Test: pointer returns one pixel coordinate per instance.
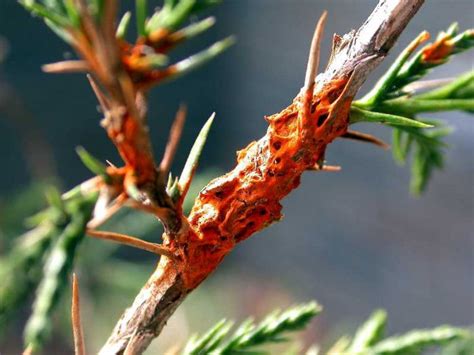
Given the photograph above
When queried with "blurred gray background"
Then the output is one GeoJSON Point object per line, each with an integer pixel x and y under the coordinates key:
{"type": "Point", "coordinates": [354, 240]}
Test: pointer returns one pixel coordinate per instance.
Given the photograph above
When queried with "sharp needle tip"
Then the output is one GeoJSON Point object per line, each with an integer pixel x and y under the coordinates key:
{"type": "Point", "coordinates": [313, 60]}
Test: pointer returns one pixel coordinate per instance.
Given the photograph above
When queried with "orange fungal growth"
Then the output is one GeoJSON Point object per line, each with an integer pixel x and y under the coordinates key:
{"type": "Point", "coordinates": [127, 138]}
{"type": "Point", "coordinates": [438, 50]}
{"type": "Point", "coordinates": [234, 206]}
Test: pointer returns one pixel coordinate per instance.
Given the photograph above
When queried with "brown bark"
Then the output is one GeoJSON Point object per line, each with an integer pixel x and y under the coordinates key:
{"type": "Point", "coordinates": [247, 199]}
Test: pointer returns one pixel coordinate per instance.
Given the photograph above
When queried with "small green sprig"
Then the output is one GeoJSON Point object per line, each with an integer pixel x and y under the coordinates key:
{"type": "Point", "coordinates": [93, 164]}
{"type": "Point", "coordinates": [369, 339]}
{"type": "Point", "coordinates": [22, 269]}
{"type": "Point", "coordinates": [249, 335]}
{"type": "Point", "coordinates": [158, 31]}
{"type": "Point", "coordinates": [428, 152]}
{"type": "Point", "coordinates": [61, 16]}
{"type": "Point", "coordinates": [416, 341]}
{"type": "Point", "coordinates": [189, 169]}
{"type": "Point", "coordinates": [58, 266]}
{"type": "Point", "coordinates": [173, 14]}
{"type": "Point", "coordinates": [369, 333]}
{"type": "Point", "coordinates": [394, 102]}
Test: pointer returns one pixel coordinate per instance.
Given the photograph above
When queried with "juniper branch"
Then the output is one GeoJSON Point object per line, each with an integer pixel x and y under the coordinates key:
{"type": "Point", "coordinates": [235, 206]}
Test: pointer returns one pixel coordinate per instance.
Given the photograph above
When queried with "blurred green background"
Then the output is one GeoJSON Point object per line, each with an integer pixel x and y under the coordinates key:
{"type": "Point", "coordinates": [354, 240]}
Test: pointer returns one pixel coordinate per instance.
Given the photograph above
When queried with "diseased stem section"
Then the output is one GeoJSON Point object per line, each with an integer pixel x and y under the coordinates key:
{"type": "Point", "coordinates": [247, 199]}
{"type": "Point", "coordinates": [123, 104]}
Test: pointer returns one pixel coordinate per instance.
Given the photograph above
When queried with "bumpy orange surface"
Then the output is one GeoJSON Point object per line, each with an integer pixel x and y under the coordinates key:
{"type": "Point", "coordinates": [438, 50]}
{"type": "Point", "coordinates": [247, 199]}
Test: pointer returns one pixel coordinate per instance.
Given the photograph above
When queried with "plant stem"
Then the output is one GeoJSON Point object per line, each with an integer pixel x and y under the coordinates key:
{"type": "Point", "coordinates": [233, 207]}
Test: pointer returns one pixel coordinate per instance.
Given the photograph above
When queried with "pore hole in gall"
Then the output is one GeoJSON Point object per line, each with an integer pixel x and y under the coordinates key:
{"type": "Point", "coordinates": [277, 160]}
{"type": "Point", "coordinates": [277, 145]}
{"type": "Point", "coordinates": [333, 95]}
{"type": "Point", "coordinates": [210, 231]}
{"type": "Point", "coordinates": [322, 119]}
{"type": "Point", "coordinates": [219, 194]}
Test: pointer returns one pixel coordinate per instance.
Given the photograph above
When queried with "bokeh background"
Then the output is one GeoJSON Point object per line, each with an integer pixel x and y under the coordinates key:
{"type": "Point", "coordinates": [354, 240]}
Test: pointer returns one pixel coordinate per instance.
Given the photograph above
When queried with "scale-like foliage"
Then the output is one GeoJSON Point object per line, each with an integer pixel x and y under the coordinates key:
{"type": "Point", "coordinates": [368, 340]}
{"type": "Point", "coordinates": [370, 332]}
{"type": "Point", "coordinates": [57, 268]}
{"type": "Point", "coordinates": [249, 335]}
{"type": "Point", "coordinates": [416, 341]}
{"type": "Point", "coordinates": [22, 270]}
